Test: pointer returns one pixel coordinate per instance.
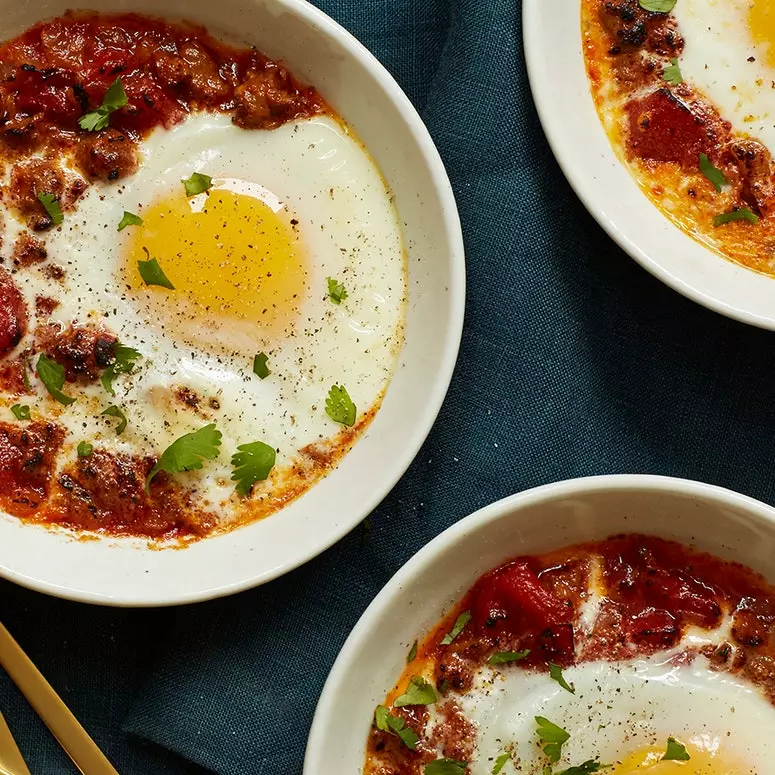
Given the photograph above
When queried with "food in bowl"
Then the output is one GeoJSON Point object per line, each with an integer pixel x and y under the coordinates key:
{"type": "Point", "coordinates": [204, 299]}
{"type": "Point", "coordinates": [683, 88]}
{"type": "Point", "coordinates": [633, 653]}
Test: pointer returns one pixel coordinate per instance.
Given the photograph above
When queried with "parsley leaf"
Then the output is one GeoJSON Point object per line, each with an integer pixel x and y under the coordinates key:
{"type": "Point", "coordinates": [419, 692]}
{"type": "Point", "coordinates": [551, 737]}
{"type": "Point", "coordinates": [252, 463]}
{"type": "Point", "coordinates": [197, 184]}
{"type": "Point", "coordinates": [129, 219]}
{"type": "Point", "coordinates": [675, 751]}
{"type": "Point", "coordinates": [339, 406]}
{"type": "Point", "coordinates": [445, 767]}
{"type": "Point", "coordinates": [21, 412]}
{"type": "Point", "coordinates": [114, 98]}
{"type": "Point", "coordinates": [460, 624]}
{"type": "Point", "coordinates": [588, 767]}
{"type": "Point", "coordinates": [52, 375]}
{"type": "Point", "coordinates": [188, 452]}
{"type": "Point", "coordinates": [124, 359]}
{"type": "Point", "coordinates": [260, 369]}
{"type": "Point", "coordinates": [713, 174]}
{"type": "Point", "coordinates": [555, 672]}
{"type": "Point", "coordinates": [500, 763]}
{"type": "Point", "coordinates": [51, 205]}
{"type": "Point", "coordinates": [115, 411]}
{"type": "Point", "coordinates": [410, 657]}
{"type": "Point", "coordinates": [153, 274]}
{"type": "Point", "coordinates": [672, 73]}
{"type": "Point", "coordinates": [658, 6]}
{"type": "Point", "coordinates": [336, 291]}
{"type": "Point", "coordinates": [743, 213]}
{"type": "Point", "coordinates": [503, 657]}
{"type": "Point", "coordinates": [396, 726]}
{"type": "Point", "coordinates": [84, 449]}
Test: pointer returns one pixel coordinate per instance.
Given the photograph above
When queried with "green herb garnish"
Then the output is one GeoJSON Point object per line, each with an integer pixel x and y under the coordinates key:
{"type": "Point", "coordinates": [713, 174]}
{"type": "Point", "coordinates": [500, 762]}
{"type": "Point", "coordinates": [339, 406]}
{"type": "Point", "coordinates": [445, 767]}
{"type": "Point", "coordinates": [124, 360]}
{"type": "Point", "coordinates": [21, 411]}
{"type": "Point", "coordinates": [460, 624]}
{"type": "Point", "coordinates": [336, 291]}
{"type": "Point", "coordinates": [419, 692]}
{"type": "Point", "coordinates": [395, 725]}
{"type": "Point", "coordinates": [658, 6]}
{"type": "Point", "coordinates": [741, 214]}
{"type": "Point", "coordinates": [152, 273]}
{"type": "Point", "coordinates": [675, 751]}
{"type": "Point", "coordinates": [188, 452]}
{"type": "Point", "coordinates": [51, 205]}
{"type": "Point", "coordinates": [197, 184]}
{"type": "Point", "coordinates": [252, 463]}
{"type": "Point", "coordinates": [84, 449]}
{"type": "Point", "coordinates": [555, 672]}
{"type": "Point", "coordinates": [129, 219]}
{"type": "Point", "coordinates": [260, 369]}
{"type": "Point", "coordinates": [115, 98]}
{"type": "Point", "coordinates": [672, 73]}
{"type": "Point", "coordinates": [503, 657]}
{"type": "Point", "coordinates": [551, 737]}
{"type": "Point", "coordinates": [52, 375]}
{"type": "Point", "coordinates": [115, 411]}
{"type": "Point", "coordinates": [586, 768]}
{"type": "Point", "coordinates": [412, 653]}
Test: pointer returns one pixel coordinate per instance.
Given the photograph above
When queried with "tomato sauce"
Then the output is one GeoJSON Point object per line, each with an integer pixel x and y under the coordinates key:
{"type": "Point", "coordinates": [649, 592]}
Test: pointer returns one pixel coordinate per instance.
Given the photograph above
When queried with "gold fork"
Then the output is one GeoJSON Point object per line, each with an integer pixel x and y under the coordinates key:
{"type": "Point", "coordinates": [11, 762]}
{"type": "Point", "coordinates": [84, 752]}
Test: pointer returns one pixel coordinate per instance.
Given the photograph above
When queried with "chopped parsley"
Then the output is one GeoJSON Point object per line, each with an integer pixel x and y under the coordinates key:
{"type": "Point", "coordinates": [658, 6]}
{"type": "Point", "coordinates": [395, 725]}
{"type": "Point", "coordinates": [115, 98]}
{"type": "Point", "coordinates": [252, 463]}
{"type": "Point", "coordinates": [555, 672]}
{"type": "Point", "coordinates": [197, 184]}
{"type": "Point", "coordinates": [713, 174]}
{"type": "Point", "coordinates": [445, 767]}
{"type": "Point", "coordinates": [410, 657]}
{"type": "Point", "coordinates": [188, 452]}
{"type": "Point", "coordinates": [51, 206]}
{"type": "Point", "coordinates": [52, 375]}
{"type": "Point", "coordinates": [115, 411]}
{"type": "Point", "coordinates": [503, 657]}
{"type": "Point", "coordinates": [129, 219]}
{"type": "Point", "coordinates": [588, 767]}
{"type": "Point", "coordinates": [152, 273]}
{"type": "Point", "coordinates": [260, 369]}
{"type": "Point", "coordinates": [21, 411]}
{"type": "Point", "coordinates": [500, 763]}
{"type": "Point", "coordinates": [124, 359]}
{"type": "Point", "coordinates": [336, 291]}
{"type": "Point", "coordinates": [419, 692]}
{"type": "Point", "coordinates": [339, 406]}
{"type": "Point", "coordinates": [84, 449]}
{"type": "Point", "coordinates": [676, 752]}
{"type": "Point", "coordinates": [459, 626]}
{"type": "Point", "coordinates": [672, 73]}
{"type": "Point", "coordinates": [551, 737]}
{"type": "Point", "coordinates": [741, 214]}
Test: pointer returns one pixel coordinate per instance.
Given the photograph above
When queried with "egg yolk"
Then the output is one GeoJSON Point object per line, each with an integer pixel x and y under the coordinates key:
{"type": "Point", "coordinates": [702, 761]}
{"type": "Point", "coordinates": [234, 259]}
{"type": "Point", "coordinates": [761, 20]}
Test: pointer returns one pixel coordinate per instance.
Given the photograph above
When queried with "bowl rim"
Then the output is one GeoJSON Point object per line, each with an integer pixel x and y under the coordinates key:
{"type": "Point", "coordinates": [435, 395]}
{"type": "Point", "coordinates": [407, 575]}
{"type": "Point", "coordinates": [586, 188]}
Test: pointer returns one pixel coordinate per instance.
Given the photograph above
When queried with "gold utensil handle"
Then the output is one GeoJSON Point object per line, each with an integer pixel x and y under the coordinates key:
{"type": "Point", "coordinates": [84, 752]}
{"type": "Point", "coordinates": [11, 761]}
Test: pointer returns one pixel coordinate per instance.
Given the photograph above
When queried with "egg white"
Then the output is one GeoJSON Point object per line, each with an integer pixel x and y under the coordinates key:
{"type": "Point", "coordinates": [349, 230]}
{"type": "Point", "coordinates": [721, 59]}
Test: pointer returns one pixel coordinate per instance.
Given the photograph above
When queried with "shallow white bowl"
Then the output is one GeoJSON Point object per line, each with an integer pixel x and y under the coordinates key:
{"type": "Point", "coordinates": [715, 520]}
{"type": "Point", "coordinates": [552, 41]}
{"type": "Point", "coordinates": [126, 572]}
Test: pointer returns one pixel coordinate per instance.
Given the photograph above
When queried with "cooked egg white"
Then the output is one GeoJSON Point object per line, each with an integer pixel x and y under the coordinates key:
{"type": "Point", "coordinates": [622, 714]}
{"type": "Point", "coordinates": [249, 261]}
{"type": "Point", "coordinates": [729, 56]}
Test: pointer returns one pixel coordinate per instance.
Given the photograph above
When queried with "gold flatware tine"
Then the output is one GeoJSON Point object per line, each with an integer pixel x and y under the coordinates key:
{"type": "Point", "coordinates": [11, 761]}
{"type": "Point", "coordinates": [84, 752]}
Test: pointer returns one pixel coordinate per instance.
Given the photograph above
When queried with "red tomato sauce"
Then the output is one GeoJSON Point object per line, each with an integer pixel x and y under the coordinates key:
{"type": "Point", "coordinates": [651, 591]}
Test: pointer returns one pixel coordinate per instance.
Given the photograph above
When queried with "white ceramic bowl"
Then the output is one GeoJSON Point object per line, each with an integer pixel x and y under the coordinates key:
{"type": "Point", "coordinates": [552, 41]}
{"type": "Point", "coordinates": [719, 521]}
{"type": "Point", "coordinates": [126, 572]}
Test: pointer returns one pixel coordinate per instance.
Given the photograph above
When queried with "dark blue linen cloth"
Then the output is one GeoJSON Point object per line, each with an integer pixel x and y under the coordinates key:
{"type": "Point", "coordinates": [574, 361]}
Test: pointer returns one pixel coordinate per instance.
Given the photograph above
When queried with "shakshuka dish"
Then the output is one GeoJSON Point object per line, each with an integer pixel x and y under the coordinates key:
{"type": "Point", "coordinates": [629, 655]}
{"type": "Point", "coordinates": [203, 280]}
{"type": "Point", "coordinates": [684, 89]}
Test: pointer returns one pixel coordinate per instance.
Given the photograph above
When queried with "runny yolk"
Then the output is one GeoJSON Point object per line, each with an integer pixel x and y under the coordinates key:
{"type": "Point", "coordinates": [761, 20]}
{"type": "Point", "coordinates": [702, 761]}
{"type": "Point", "coordinates": [234, 260]}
